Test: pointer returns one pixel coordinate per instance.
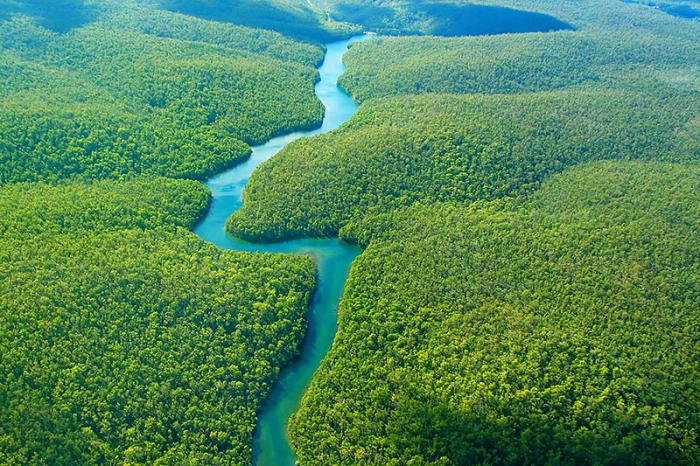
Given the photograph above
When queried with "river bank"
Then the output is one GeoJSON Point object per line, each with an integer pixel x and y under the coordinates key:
{"type": "Point", "coordinates": [333, 259]}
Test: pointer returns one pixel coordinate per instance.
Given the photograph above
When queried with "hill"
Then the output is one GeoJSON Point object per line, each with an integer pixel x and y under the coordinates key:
{"type": "Point", "coordinates": [556, 330]}
{"type": "Point", "coordinates": [423, 149]}
{"type": "Point", "coordinates": [127, 339]}
{"type": "Point", "coordinates": [121, 93]}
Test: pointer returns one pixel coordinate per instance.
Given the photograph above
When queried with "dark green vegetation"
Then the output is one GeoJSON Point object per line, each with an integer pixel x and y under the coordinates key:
{"type": "Point", "coordinates": [529, 204]}
{"type": "Point", "coordinates": [512, 64]}
{"type": "Point", "coordinates": [682, 9]}
{"type": "Point", "coordinates": [140, 90]}
{"type": "Point", "coordinates": [562, 330]}
{"type": "Point", "coordinates": [399, 151]}
{"type": "Point", "coordinates": [126, 339]}
{"type": "Point", "coordinates": [441, 18]}
{"type": "Point", "coordinates": [56, 15]}
{"type": "Point", "coordinates": [296, 18]}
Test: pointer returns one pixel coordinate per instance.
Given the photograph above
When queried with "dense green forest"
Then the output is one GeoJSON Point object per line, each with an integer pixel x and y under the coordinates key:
{"type": "Point", "coordinates": [140, 90]}
{"type": "Point", "coordinates": [126, 339]}
{"type": "Point", "coordinates": [611, 37]}
{"type": "Point", "coordinates": [523, 176]}
{"type": "Point", "coordinates": [399, 151]}
{"type": "Point", "coordinates": [528, 202]}
{"type": "Point", "coordinates": [440, 18]}
{"type": "Point", "coordinates": [560, 330]}
{"type": "Point", "coordinates": [512, 64]}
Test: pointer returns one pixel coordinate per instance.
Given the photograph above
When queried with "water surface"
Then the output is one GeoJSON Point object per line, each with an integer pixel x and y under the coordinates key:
{"type": "Point", "coordinates": [333, 259]}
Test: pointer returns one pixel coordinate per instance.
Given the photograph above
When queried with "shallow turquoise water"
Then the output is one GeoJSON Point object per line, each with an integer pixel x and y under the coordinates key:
{"type": "Point", "coordinates": [333, 259]}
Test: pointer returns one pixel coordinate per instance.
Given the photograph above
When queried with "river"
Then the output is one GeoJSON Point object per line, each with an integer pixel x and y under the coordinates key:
{"type": "Point", "coordinates": [333, 259]}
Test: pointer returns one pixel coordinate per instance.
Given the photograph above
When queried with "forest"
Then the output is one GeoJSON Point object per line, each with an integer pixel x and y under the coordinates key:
{"type": "Point", "coordinates": [514, 64]}
{"type": "Point", "coordinates": [137, 91]}
{"type": "Point", "coordinates": [528, 204]}
{"type": "Point", "coordinates": [298, 19]}
{"type": "Point", "coordinates": [441, 18]}
{"type": "Point", "coordinates": [435, 148]}
{"type": "Point", "coordinates": [127, 339]}
{"type": "Point", "coordinates": [522, 176]}
{"type": "Point", "coordinates": [560, 329]}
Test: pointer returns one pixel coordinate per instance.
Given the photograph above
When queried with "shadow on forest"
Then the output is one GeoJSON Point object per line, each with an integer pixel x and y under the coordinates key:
{"type": "Point", "coordinates": [477, 20]}
{"type": "Point", "coordinates": [422, 425]}
{"type": "Point", "coordinates": [299, 23]}
{"type": "Point", "coordinates": [681, 10]}
{"type": "Point", "coordinates": [447, 19]}
{"type": "Point", "coordinates": [57, 15]}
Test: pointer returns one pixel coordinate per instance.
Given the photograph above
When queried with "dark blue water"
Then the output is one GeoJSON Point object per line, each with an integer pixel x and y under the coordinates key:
{"type": "Point", "coordinates": [333, 259]}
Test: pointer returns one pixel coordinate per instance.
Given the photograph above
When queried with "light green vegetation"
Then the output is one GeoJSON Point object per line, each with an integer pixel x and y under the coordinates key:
{"type": "Point", "coordinates": [529, 205]}
{"type": "Point", "coordinates": [140, 90]}
{"type": "Point", "coordinates": [612, 37]}
{"type": "Point", "coordinates": [126, 339]}
{"type": "Point", "coordinates": [561, 330]}
{"type": "Point", "coordinates": [408, 149]}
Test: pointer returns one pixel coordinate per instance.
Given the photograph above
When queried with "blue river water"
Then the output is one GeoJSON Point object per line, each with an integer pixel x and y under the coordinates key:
{"type": "Point", "coordinates": [333, 259]}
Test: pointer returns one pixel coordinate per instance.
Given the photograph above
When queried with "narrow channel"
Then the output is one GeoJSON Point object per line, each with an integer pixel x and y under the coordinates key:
{"type": "Point", "coordinates": [333, 258]}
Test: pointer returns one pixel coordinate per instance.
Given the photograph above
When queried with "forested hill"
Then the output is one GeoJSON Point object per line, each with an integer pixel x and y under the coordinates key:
{"type": "Point", "coordinates": [300, 19]}
{"type": "Point", "coordinates": [124, 338]}
{"type": "Point", "coordinates": [528, 203]}
{"type": "Point", "coordinates": [635, 45]}
{"type": "Point", "coordinates": [560, 331]}
{"type": "Point", "coordinates": [402, 150]}
{"type": "Point", "coordinates": [441, 18]}
{"type": "Point", "coordinates": [140, 90]}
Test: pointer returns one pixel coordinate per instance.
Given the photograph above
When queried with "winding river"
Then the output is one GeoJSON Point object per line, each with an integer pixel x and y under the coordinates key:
{"type": "Point", "coordinates": [333, 259]}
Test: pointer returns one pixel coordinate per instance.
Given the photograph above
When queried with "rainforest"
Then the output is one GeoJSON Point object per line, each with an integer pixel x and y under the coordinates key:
{"type": "Point", "coordinates": [349, 232]}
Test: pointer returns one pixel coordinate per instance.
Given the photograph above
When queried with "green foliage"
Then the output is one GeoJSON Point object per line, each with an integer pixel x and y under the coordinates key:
{"type": "Point", "coordinates": [57, 15]}
{"type": "Point", "coordinates": [165, 24]}
{"type": "Point", "coordinates": [430, 148]}
{"type": "Point", "coordinates": [125, 339]}
{"type": "Point", "coordinates": [503, 312]}
{"type": "Point", "coordinates": [609, 35]}
{"type": "Point", "coordinates": [50, 142]}
{"type": "Point", "coordinates": [145, 203]}
{"type": "Point", "coordinates": [296, 18]}
{"type": "Point", "coordinates": [441, 18]}
{"type": "Point", "coordinates": [506, 64]}
{"type": "Point", "coordinates": [561, 330]}
{"type": "Point", "coordinates": [144, 91]}
{"type": "Point", "coordinates": [129, 345]}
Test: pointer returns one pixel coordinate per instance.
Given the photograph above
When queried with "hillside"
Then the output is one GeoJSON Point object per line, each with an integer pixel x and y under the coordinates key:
{"type": "Point", "coordinates": [299, 19]}
{"type": "Point", "coordinates": [559, 330]}
{"type": "Point", "coordinates": [610, 39]}
{"type": "Point", "coordinates": [127, 339]}
{"type": "Point", "coordinates": [138, 90]}
{"type": "Point", "coordinates": [422, 149]}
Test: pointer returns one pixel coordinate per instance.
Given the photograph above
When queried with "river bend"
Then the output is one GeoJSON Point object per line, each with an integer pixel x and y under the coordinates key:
{"type": "Point", "coordinates": [333, 258]}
